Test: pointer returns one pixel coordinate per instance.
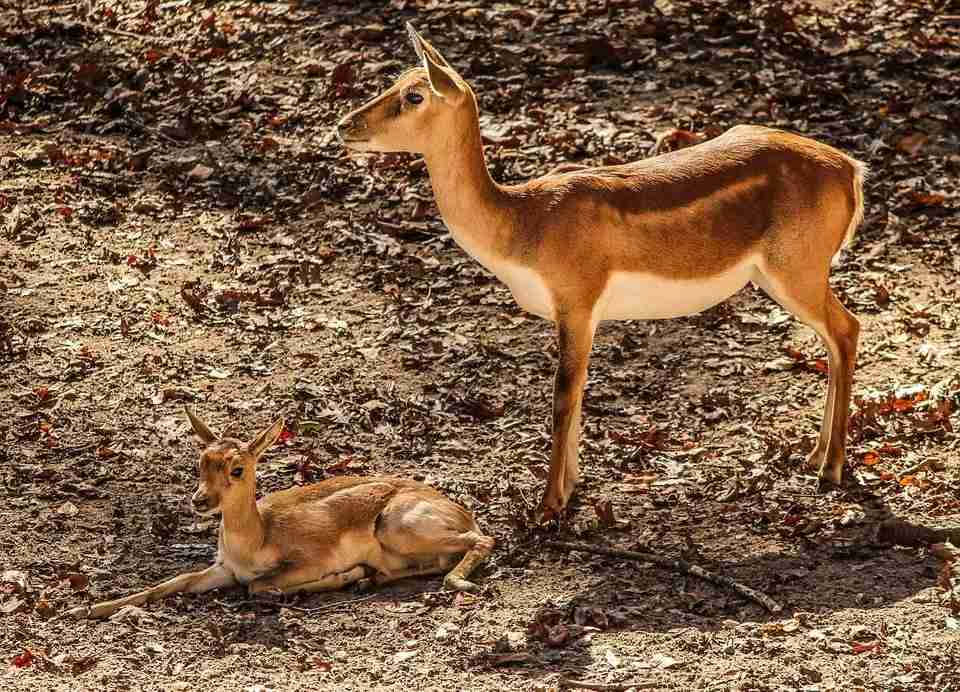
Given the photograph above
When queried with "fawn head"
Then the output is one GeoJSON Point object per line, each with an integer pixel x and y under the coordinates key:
{"type": "Point", "coordinates": [227, 466]}
{"type": "Point", "coordinates": [422, 103]}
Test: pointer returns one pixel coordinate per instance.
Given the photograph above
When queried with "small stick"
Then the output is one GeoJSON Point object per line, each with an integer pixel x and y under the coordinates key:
{"type": "Point", "coordinates": [676, 565]}
{"type": "Point", "coordinates": [319, 609]}
{"type": "Point", "coordinates": [128, 34]}
{"type": "Point", "coordinates": [330, 606]}
{"type": "Point", "coordinates": [604, 687]}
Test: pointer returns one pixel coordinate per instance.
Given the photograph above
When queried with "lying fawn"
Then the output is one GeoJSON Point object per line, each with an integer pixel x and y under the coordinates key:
{"type": "Point", "coordinates": [663, 237]}
{"type": "Point", "coordinates": [317, 537]}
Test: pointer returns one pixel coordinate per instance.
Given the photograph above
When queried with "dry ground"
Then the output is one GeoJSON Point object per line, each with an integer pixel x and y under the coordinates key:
{"type": "Point", "coordinates": [178, 226]}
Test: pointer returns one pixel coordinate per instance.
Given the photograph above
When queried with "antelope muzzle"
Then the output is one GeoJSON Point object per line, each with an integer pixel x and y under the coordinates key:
{"type": "Point", "coordinates": [352, 129]}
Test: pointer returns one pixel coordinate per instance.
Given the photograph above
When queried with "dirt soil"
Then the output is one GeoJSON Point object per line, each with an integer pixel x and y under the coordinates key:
{"type": "Point", "coordinates": [178, 225]}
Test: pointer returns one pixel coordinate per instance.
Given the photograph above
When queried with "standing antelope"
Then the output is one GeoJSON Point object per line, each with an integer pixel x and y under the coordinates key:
{"type": "Point", "coordinates": [317, 537]}
{"type": "Point", "coordinates": [663, 237]}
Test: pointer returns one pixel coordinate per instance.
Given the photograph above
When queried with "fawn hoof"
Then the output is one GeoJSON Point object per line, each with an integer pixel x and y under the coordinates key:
{"type": "Point", "coordinates": [79, 613]}
{"type": "Point", "coordinates": [255, 589]}
{"type": "Point", "coordinates": [457, 584]}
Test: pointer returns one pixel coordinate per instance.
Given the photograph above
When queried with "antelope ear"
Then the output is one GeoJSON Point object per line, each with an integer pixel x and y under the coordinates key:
{"type": "Point", "coordinates": [425, 48]}
{"type": "Point", "coordinates": [444, 80]}
{"type": "Point", "coordinates": [200, 428]}
{"type": "Point", "coordinates": [266, 438]}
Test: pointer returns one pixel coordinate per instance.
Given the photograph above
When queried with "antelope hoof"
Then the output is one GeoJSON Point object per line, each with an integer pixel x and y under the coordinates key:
{"type": "Point", "coordinates": [549, 509]}
{"type": "Point", "coordinates": [815, 460]}
{"type": "Point", "coordinates": [831, 473]}
{"type": "Point", "coordinates": [828, 471]}
{"type": "Point", "coordinates": [457, 584]}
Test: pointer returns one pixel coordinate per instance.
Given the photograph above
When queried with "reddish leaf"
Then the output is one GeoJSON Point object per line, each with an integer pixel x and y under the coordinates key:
{"type": "Point", "coordinates": [321, 665]}
{"type": "Point", "coordinates": [859, 648]}
{"type": "Point", "coordinates": [912, 143]}
{"type": "Point", "coordinates": [23, 660]}
{"type": "Point", "coordinates": [921, 199]}
{"type": "Point", "coordinates": [604, 510]}
{"type": "Point", "coordinates": [341, 465]}
{"type": "Point", "coordinates": [870, 458]}
{"type": "Point", "coordinates": [889, 450]}
{"type": "Point", "coordinates": [78, 582]}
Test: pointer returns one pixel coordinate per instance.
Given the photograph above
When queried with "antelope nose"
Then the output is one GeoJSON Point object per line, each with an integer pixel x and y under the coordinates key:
{"type": "Point", "coordinates": [350, 124]}
{"type": "Point", "coordinates": [199, 501]}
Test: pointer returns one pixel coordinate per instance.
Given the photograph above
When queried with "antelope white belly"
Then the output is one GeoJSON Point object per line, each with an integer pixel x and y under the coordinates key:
{"type": "Point", "coordinates": [640, 296]}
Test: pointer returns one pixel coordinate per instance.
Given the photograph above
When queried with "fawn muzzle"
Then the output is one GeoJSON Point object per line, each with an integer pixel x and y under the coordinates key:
{"type": "Point", "coordinates": [201, 502]}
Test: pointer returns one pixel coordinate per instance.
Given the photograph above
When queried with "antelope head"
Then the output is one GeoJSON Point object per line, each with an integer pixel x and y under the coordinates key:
{"type": "Point", "coordinates": [227, 466]}
{"type": "Point", "coordinates": [424, 102]}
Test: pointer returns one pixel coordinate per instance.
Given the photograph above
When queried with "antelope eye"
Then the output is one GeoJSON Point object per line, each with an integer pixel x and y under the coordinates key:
{"type": "Point", "coordinates": [413, 97]}
{"type": "Point", "coordinates": [237, 472]}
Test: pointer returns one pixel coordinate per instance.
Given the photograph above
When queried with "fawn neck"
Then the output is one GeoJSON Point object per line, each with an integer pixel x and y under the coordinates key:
{"type": "Point", "coordinates": [241, 522]}
{"type": "Point", "coordinates": [472, 205]}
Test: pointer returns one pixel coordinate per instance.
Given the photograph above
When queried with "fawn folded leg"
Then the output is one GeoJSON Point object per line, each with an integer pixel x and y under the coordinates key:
{"type": "Point", "coordinates": [296, 580]}
{"type": "Point", "coordinates": [213, 577]}
{"type": "Point", "coordinates": [422, 534]}
{"type": "Point", "coordinates": [575, 340]}
{"type": "Point", "coordinates": [476, 547]}
{"type": "Point", "coordinates": [480, 547]}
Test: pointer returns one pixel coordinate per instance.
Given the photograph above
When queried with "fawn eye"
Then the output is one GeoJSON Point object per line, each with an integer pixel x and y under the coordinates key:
{"type": "Point", "coordinates": [237, 472]}
{"type": "Point", "coordinates": [413, 97]}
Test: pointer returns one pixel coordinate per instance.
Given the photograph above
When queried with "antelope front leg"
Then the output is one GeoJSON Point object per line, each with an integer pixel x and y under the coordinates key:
{"type": "Point", "coordinates": [213, 577]}
{"type": "Point", "coordinates": [575, 339]}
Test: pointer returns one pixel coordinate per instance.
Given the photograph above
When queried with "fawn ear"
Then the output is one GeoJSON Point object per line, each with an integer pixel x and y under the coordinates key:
{"type": "Point", "coordinates": [199, 427]}
{"type": "Point", "coordinates": [266, 438]}
{"type": "Point", "coordinates": [443, 79]}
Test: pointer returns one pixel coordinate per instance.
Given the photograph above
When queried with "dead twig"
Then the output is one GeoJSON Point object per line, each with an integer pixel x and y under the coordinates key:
{"type": "Point", "coordinates": [905, 533]}
{"type": "Point", "coordinates": [128, 34]}
{"type": "Point", "coordinates": [330, 606]}
{"type": "Point", "coordinates": [676, 565]}
{"type": "Point", "coordinates": [604, 687]}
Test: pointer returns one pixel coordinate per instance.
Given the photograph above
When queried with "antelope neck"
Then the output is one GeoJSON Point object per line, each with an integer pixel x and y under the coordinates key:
{"type": "Point", "coordinates": [472, 205]}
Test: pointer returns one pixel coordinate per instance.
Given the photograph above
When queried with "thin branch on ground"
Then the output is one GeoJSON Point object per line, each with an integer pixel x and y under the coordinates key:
{"type": "Point", "coordinates": [128, 34]}
{"type": "Point", "coordinates": [604, 687]}
{"type": "Point", "coordinates": [676, 565]}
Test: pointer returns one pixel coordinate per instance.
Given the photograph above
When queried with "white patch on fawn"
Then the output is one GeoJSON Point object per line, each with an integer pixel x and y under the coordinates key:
{"type": "Point", "coordinates": [642, 296]}
{"type": "Point", "coordinates": [238, 567]}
